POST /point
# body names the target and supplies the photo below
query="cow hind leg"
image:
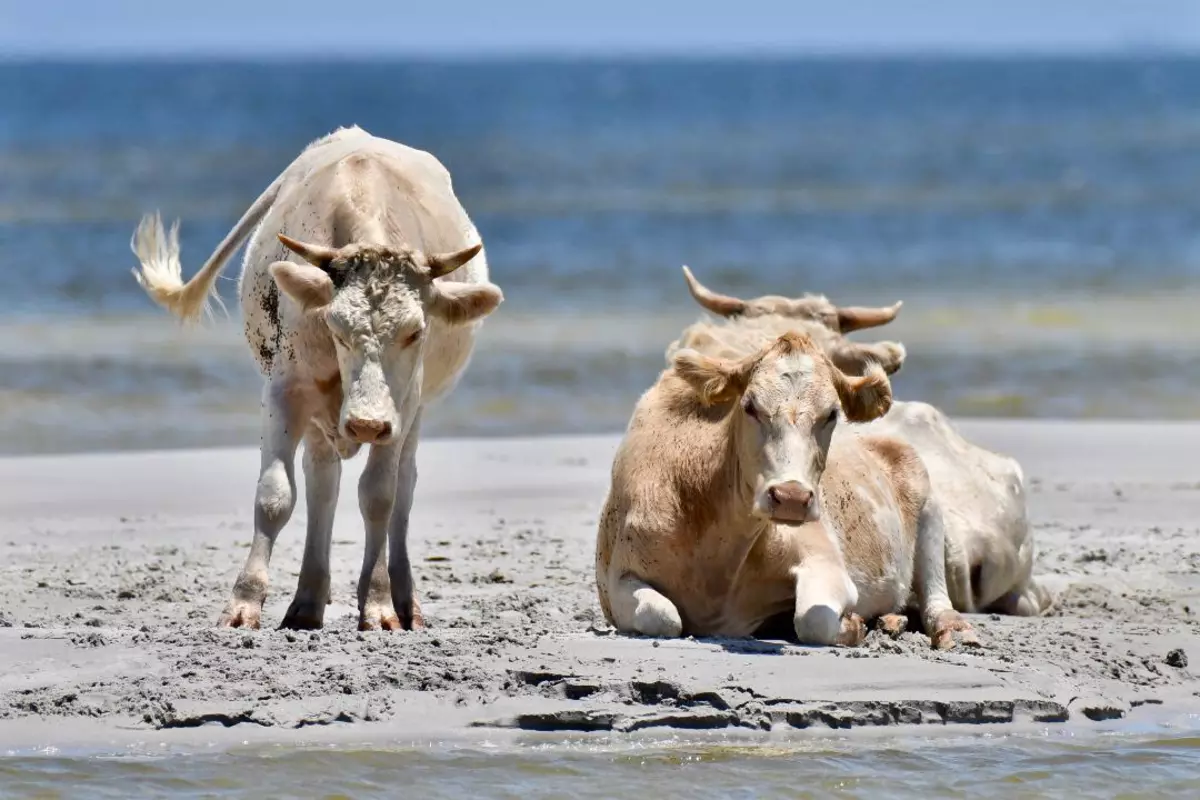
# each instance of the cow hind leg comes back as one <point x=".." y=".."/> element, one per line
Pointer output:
<point x="638" y="607"/>
<point x="1030" y="600"/>
<point x="322" y="477"/>
<point x="274" y="500"/>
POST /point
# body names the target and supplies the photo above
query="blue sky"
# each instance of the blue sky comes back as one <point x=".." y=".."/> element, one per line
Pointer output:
<point x="301" y="28"/>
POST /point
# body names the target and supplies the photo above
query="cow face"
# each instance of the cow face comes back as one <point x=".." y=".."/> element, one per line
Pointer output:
<point x="378" y="303"/>
<point x="785" y="402"/>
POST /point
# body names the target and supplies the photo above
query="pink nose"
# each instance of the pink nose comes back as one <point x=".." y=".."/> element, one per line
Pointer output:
<point x="368" y="431"/>
<point x="791" y="501"/>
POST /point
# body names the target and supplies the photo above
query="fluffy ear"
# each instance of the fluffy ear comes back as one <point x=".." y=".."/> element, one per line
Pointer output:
<point x="444" y="263"/>
<point x="460" y="303"/>
<point x="715" y="380"/>
<point x="866" y="398"/>
<point x="309" y="286"/>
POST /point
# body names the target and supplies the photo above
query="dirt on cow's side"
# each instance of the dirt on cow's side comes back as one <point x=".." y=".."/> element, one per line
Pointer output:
<point x="111" y="618"/>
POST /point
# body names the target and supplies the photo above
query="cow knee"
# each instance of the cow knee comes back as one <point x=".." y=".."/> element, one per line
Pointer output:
<point x="376" y="501"/>
<point x="818" y="624"/>
<point x="276" y="495"/>
<point x="657" y="616"/>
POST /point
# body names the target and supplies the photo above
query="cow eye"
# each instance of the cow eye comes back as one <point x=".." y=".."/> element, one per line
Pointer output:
<point x="750" y="409"/>
<point x="413" y="338"/>
<point x="832" y="418"/>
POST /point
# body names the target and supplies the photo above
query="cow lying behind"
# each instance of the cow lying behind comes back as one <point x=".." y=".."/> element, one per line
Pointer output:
<point x="375" y="320"/>
<point x="989" y="544"/>
<point x="733" y="501"/>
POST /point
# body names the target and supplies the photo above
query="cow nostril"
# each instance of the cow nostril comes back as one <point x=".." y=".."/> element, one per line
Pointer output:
<point x="368" y="430"/>
<point x="773" y="493"/>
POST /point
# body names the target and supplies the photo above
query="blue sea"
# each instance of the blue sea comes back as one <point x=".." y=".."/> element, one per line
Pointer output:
<point x="1039" y="218"/>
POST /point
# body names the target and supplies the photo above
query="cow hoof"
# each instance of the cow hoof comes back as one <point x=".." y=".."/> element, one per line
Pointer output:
<point x="951" y="630"/>
<point x="853" y="631"/>
<point x="893" y="625"/>
<point x="411" y="618"/>
<point x="240" y="615"/>
<point x="304" y="616"/>
<point x="379" y="618"/>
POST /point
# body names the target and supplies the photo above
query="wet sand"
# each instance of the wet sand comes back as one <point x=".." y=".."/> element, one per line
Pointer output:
<point x="116" y="566"/>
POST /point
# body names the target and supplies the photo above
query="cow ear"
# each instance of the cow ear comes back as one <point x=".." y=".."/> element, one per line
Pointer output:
<point x="309" y="286"/>
<point x="715" y="380"/>
<point x="460" y="303"/>
<point x="866" y="398"/>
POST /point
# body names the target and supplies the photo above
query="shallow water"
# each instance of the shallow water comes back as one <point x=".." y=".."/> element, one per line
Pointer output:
<point x="1052" y="764"/>
<point x="1038" y="217"/>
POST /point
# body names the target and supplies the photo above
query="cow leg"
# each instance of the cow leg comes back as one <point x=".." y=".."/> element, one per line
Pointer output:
<point x="938" y="616"/>
<point x="274" y="499"/>
<point x="376" y="497"/>
<point x="322" y="478"/>
<point x="404" y="595"/>
<point x="824" y="592"/>
<point x="638" y="607"/>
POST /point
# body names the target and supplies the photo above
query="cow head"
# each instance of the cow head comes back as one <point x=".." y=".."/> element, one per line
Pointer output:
<point x="377" y="303"/>
<point x="784" y="402"/>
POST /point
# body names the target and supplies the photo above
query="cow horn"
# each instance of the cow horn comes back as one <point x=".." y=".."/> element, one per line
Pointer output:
<point x="853" y="318"/>
<point x="445" y="263"/>
<point x="315" y="254"/>
<point x="720" y="304"/>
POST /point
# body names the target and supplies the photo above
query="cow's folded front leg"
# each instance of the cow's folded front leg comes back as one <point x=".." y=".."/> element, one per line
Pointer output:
<point x="376" y="497"/>
<point x="283" y="423"/>
<point x="824" y="593"/>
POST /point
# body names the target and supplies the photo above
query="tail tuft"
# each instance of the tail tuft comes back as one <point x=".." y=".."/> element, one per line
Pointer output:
<point x="161" y="274"/>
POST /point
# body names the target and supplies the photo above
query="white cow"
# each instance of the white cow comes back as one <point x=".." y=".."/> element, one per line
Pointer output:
<point x="353" y="341"/>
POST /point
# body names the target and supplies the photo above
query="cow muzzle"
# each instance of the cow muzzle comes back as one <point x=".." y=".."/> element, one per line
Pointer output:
<point x="368" y="431"/>
<point x="791" y="502"/>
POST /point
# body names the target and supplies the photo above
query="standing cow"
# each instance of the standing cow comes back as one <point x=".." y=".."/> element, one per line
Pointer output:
<point x="375" y="321"/>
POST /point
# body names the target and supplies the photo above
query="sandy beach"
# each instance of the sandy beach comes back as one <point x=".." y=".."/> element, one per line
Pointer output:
<point x="116" y="567"/>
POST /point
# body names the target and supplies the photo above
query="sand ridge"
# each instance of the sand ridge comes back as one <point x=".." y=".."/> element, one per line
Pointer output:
<point x="116" y="566"/>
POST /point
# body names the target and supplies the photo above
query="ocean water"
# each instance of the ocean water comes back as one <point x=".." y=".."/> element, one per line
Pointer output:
<point x="918" y="766"/>
<point x="1040" y="219"/>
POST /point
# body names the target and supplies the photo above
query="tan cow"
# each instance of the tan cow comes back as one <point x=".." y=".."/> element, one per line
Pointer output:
<point x="989" y="544"/>
<point x="723" y="513"/>
<point x="362" y="288"/>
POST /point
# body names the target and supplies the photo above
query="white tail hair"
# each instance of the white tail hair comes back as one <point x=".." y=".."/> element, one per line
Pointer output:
<point x="161" y="274"/>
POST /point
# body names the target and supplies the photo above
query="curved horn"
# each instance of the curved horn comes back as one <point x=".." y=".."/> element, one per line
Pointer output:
<point x="445" y="263"/>
<point x="315" y="254"/>
<point x="720" y="304"/>
<point x="853" y="318"/>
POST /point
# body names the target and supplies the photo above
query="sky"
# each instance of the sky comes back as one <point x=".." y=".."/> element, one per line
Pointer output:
<point x="513" y="28"/>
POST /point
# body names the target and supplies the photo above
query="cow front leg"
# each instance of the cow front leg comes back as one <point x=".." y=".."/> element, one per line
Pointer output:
<point x="322" y="478"/>
<point x="943" y="624"/>
<point x="376" y="497"/>
<point x="404" y="595"/>
<point x="274" y="499"/>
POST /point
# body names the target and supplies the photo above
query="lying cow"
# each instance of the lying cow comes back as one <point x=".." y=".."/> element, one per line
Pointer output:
<point x="989" y="544"/>
<point x="375" y="321"/>
<point x="733" y="501"/>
